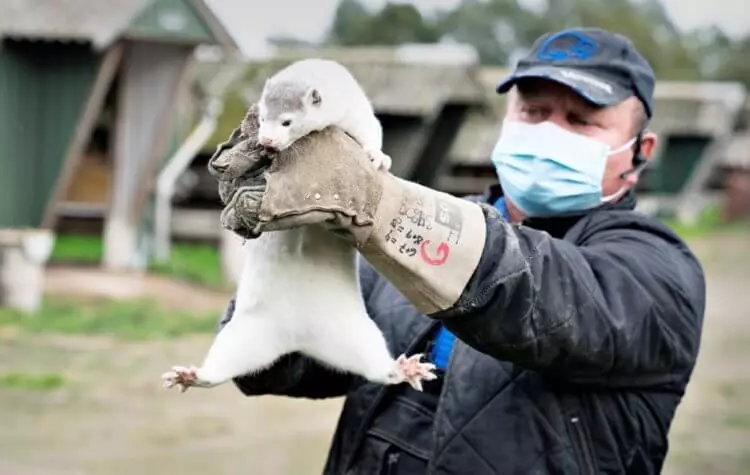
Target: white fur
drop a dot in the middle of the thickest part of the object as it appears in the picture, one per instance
(298, 291)
(299, 288)
(344, 104)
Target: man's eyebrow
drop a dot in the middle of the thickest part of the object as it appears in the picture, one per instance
(535, 99)
(531, 93)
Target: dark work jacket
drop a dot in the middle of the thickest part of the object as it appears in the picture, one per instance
(576, 338)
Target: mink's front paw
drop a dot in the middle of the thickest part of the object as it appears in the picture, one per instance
(379, 159)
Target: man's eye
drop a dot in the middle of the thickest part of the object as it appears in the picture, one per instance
(577, 120)
(531, 112)
(286, 123)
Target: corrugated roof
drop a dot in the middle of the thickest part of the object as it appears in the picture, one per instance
(98, 21)
(480, 130)
(95, 20)
(394, 85)
(398, 88)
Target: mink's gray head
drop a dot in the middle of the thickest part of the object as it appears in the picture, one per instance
(287, 111)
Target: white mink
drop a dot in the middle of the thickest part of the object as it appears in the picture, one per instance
(299, 288)
(312, 94)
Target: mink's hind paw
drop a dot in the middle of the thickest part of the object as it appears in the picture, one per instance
(181, 376)
(412, 371)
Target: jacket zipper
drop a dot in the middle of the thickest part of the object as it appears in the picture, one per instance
(580, 445)
(392, 461)
(360, 434)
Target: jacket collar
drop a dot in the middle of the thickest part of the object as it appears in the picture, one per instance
(558, 226)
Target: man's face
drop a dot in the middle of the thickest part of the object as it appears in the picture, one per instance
(539, 100)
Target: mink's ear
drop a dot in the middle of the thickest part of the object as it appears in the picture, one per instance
(313, 97)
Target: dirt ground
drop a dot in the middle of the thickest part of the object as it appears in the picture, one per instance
(711, 431)
(112, 416)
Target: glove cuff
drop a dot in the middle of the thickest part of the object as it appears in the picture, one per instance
(425, 242)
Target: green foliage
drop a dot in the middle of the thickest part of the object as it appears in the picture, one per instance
(394, 24)
(500, 29)
(191, 262)
(709, 221)
(127, 319)
(78, 248)
(729, 58)
(495, 28)
(31, 381)
(738, 420)
(196, 263)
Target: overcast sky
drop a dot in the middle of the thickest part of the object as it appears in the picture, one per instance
(309, 19)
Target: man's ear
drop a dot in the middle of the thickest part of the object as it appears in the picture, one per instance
(648, 144)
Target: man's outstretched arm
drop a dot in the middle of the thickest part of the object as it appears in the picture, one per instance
(624, 309)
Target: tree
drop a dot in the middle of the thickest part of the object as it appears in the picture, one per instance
(488, 26)
(394, 24)
(721, 58)
(399, 23)
(351, 24)
(501, 29)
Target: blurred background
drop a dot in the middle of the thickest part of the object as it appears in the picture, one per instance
(113, 266)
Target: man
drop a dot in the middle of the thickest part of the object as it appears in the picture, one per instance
(564, 325)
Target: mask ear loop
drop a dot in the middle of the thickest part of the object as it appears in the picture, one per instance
(639, 161)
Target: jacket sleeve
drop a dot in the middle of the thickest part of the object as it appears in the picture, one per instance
(625, 308)
(292, 375)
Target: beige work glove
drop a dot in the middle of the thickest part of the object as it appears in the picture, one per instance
(427, 243)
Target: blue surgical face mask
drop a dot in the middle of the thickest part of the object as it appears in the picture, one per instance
(546, 170)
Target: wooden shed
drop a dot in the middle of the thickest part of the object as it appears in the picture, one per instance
(88, 92)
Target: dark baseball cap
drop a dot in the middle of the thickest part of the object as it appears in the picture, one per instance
(603, 67)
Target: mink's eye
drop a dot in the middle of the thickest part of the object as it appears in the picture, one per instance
(286, 123)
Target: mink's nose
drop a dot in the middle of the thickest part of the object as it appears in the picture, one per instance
(265, 141)
(219, 167)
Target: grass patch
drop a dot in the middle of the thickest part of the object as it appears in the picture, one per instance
(131, 319)
(196, 263)
(729, 390)
(79, 248)
(738, 420)
(31, 381)
(709, 222)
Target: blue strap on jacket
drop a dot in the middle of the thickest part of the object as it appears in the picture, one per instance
(441, 349)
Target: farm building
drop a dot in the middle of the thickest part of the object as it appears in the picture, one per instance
(89, 93)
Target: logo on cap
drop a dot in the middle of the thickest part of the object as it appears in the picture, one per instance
(576, 76)
(567, 45)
